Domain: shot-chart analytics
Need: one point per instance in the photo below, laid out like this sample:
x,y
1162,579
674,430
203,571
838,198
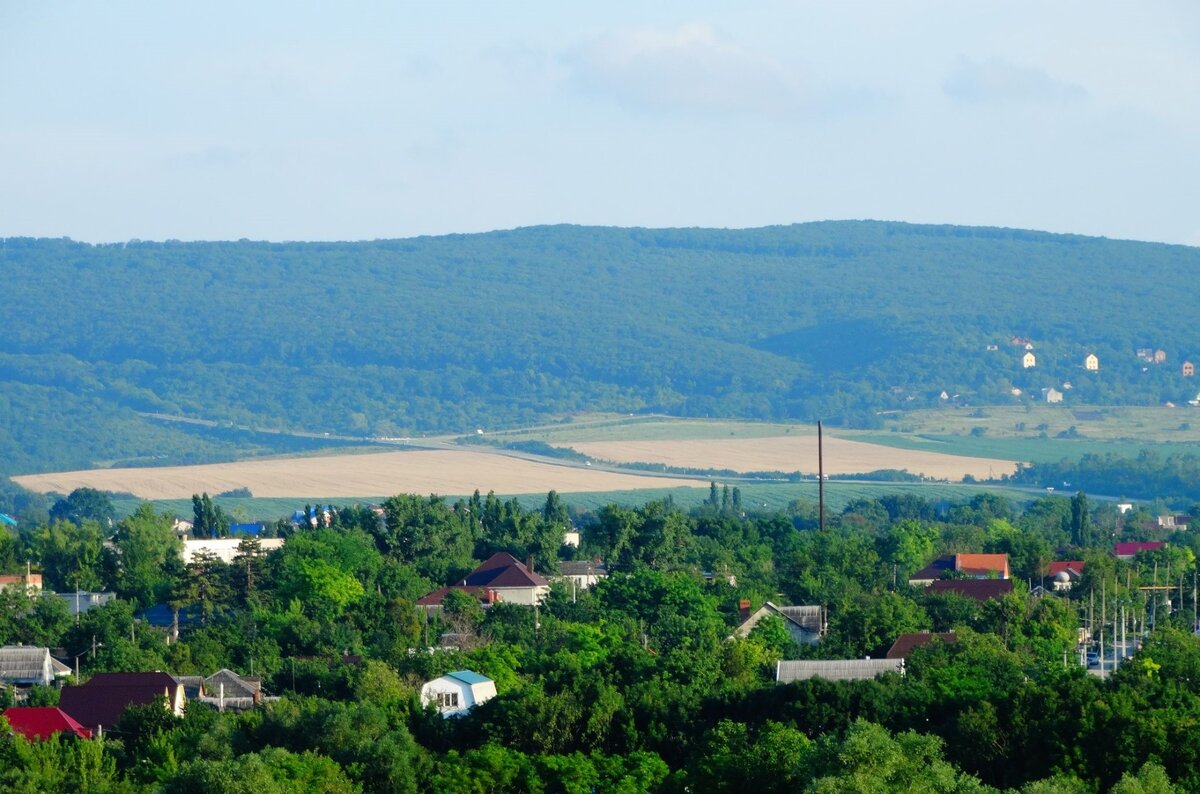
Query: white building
x,y
454,694
224,549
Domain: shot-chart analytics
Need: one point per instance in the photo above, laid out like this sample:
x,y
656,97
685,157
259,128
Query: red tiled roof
x,y
904,644
982,563
42,722
978,589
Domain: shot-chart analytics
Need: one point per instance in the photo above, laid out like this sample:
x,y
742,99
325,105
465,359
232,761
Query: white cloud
x,y
998,81
692,68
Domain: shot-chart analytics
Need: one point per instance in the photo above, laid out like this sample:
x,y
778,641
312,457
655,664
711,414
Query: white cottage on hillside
x,y
454,694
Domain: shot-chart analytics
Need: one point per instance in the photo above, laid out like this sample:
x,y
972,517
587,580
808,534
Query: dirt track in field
x,y
375,474
792,453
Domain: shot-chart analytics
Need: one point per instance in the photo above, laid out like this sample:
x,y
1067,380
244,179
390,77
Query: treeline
x,y
633,685
393,338
1148,476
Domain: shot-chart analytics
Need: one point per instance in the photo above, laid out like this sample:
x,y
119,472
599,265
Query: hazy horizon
x,y
379,121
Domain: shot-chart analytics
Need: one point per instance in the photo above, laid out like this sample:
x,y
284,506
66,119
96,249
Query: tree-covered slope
x,y
834,320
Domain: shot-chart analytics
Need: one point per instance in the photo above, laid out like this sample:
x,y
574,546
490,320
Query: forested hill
x,y
834,320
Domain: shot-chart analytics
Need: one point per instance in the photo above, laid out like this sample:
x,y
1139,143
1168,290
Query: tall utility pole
x,y
820,477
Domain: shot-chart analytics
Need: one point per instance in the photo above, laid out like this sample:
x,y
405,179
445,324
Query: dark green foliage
x,y
821,320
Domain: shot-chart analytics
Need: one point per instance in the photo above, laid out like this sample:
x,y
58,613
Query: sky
x,y
366,120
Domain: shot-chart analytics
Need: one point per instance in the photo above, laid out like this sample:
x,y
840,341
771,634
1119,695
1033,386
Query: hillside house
x,y
99,704
975,566
905,643
455,694
1189,369
1052,395
835,669
805,624
1145,354
1029,360
1091,362
1160,356
82,600
501,578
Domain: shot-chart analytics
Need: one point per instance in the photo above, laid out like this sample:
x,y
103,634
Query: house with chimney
x,y
502,577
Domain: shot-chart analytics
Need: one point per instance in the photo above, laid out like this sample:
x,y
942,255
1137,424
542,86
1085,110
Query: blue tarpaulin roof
x,y
7,519
253,530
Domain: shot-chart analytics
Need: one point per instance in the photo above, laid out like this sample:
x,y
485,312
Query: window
x,y
447,700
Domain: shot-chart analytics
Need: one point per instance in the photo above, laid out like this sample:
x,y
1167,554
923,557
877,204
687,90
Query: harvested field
x,y
792,453
347,476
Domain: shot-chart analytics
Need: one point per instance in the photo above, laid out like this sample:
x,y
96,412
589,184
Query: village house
x,y
99,704
1160,356
1127,551
1052,395
976,566
455,694
905,643
580,574
1029,360
225,689
1189,369
976,589
805,624
835,669
501,578
1091,362
41,722
83,600
28,665
1064,574
1174,521
224,549
31,583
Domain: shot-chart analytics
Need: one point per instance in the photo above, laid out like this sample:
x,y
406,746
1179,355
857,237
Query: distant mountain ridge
x,y
834,319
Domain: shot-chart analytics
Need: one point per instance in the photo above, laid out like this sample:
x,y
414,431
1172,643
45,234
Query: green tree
x,y
84,504
148,557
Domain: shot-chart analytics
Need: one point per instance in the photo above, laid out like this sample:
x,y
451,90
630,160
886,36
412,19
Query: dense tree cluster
x,y
826,320
636,683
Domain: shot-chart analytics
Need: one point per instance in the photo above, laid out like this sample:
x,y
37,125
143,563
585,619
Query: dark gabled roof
x,y
935,569
503,570
155,678
103,699
235,685
978,589
904,644
42,722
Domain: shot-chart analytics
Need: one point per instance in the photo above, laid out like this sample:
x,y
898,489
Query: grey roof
x,y
836,669
235,685
808,618
26,664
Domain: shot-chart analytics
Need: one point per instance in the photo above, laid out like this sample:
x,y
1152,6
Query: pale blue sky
x,y
306,121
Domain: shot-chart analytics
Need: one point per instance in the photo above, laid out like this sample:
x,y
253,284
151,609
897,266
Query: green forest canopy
x,y
834,320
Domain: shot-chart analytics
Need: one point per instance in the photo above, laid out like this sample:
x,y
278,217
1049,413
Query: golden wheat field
x,y
374,474
791,453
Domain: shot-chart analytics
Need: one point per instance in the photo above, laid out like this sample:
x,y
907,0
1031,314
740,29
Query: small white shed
x,y
454,694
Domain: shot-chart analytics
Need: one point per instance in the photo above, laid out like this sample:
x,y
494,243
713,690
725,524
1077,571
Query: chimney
x,y
744,609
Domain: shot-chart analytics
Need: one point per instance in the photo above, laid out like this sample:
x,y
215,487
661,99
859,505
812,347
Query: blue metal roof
x,y
246,529
7,519
469,677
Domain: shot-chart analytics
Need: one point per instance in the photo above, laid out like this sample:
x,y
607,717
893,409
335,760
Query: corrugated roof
x,y
103,705
25,664
836,669
469,677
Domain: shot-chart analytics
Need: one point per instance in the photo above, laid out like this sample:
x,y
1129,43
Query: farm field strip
x,y
350,476
793,453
